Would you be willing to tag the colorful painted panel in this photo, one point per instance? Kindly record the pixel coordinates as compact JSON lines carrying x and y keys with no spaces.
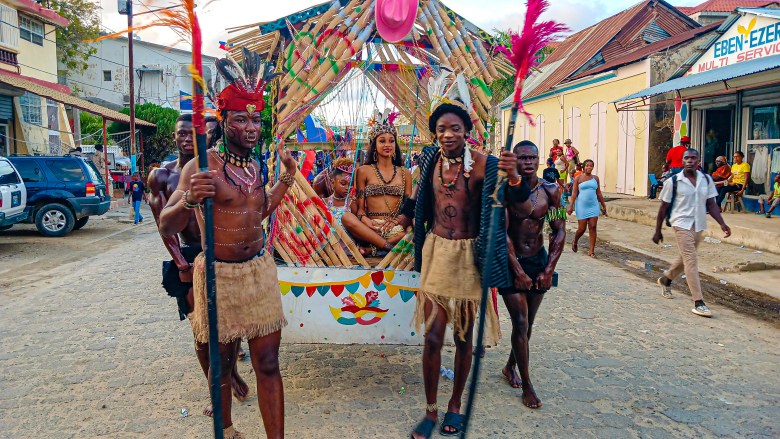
{"x":344,"y":306}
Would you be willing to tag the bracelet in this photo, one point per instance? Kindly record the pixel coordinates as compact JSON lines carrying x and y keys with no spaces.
{"x":287,"y":179}
{"x":189,"y":267}
{"x":187,"y":205}
{"x":519,"y":182}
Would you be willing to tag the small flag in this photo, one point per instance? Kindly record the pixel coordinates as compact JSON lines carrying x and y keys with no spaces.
{"x":224,"y":45}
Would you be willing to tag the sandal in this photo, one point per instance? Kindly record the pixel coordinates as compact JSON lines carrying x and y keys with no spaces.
{"x":425,"y":428}
{"x":453,"y":420}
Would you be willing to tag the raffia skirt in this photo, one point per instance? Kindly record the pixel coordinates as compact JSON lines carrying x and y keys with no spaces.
{"x":449,"y":278}
{"x":249,"y":303}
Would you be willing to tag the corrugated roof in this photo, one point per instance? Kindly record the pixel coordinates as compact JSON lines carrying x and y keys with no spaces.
{"x":650,"y":49}
{"x":764,"y":12}
{"x":709,"y":77}
{"x":687,"y":10}
{"x":34,"y":8}
{"x":54,"y":92}
{"x":726,"y":5}
{"x":614,"y":37}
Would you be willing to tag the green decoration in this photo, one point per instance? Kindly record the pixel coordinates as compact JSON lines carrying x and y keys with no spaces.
{"x":556,"y":214}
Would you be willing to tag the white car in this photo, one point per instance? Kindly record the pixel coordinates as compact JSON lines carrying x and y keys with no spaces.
{"x":13,"y":195}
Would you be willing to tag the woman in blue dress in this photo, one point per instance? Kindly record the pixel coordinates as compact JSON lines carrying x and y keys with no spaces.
{"x":585,"y":199}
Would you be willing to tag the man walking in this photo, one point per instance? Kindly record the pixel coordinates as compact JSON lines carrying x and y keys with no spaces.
{"x":249,"y":303}
{"x":184,"y":246}
{"x":685,"y":202}
{"x":136,"y":193}
{"x":528,"y":259}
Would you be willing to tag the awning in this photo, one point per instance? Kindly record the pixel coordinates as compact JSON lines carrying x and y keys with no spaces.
{"x":712,"y":76}
{"x":55,"y":93}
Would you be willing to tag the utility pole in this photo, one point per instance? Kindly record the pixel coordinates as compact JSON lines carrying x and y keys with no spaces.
{"x":129,"y":7}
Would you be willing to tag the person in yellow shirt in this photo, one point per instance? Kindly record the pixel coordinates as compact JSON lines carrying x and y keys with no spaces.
{"x":772,"y":201}
{"x":740,"y":176}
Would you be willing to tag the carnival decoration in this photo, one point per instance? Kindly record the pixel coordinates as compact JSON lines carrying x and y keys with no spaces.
{"x":525,"y":47}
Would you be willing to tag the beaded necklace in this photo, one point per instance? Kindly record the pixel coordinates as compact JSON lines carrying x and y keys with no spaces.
{"x":441,"y":175}
{"x":252,"y":176}
{"x":381,"y":178}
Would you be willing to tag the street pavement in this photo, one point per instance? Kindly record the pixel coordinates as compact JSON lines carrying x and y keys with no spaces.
{"x":94,"y":348}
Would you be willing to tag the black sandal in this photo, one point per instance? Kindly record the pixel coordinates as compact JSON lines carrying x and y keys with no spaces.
{"x":425,"y":428}
{"x":453,"y":420}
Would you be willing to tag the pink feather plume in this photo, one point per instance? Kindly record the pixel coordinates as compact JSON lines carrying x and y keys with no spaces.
{"x":533,"y":38}
{"x":392,"y":117}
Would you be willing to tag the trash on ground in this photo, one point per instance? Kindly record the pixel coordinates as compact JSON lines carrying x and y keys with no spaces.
{"x":402,"y":390}
{"x":725,"y":401}
{"x":668,"y":245}
{"x":757,"y":252}
{"x":712,"y":240}
{"x":721,"y":345}
{"x":723,"y":282}
{"x":644,"y":331}
{"x":111,"y":338}
{"x":184,"y":412}
{"x":681,"y":277}
{"x":447,"y":373}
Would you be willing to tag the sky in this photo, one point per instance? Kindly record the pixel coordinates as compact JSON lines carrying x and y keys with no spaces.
{"x":217,"y":15}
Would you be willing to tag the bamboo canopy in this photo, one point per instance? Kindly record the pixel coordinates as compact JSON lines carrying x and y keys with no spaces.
{"x":316,"y":48}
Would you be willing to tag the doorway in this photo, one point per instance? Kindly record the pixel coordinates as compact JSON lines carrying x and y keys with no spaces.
{"x":5,"y":149}
{"x":718,"y":137}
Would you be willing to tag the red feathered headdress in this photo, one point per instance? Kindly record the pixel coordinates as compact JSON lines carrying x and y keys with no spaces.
{"x":246,"y":83}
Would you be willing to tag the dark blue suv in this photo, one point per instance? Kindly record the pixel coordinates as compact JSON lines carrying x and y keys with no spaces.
{"x":62,"y":192}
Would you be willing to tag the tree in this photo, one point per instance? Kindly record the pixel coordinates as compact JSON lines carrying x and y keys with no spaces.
{"x":83,"y":24}
{"x":157,"y":143}
{"x":91,"y":128}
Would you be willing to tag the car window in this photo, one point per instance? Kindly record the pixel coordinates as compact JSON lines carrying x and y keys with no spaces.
{"x":7,"y":173}
{"x":66,"y":170}
{"x":94,"y":175}
{"x":30,"y":171}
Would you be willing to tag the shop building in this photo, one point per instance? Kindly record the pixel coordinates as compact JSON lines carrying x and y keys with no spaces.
{"x":727,"y":97}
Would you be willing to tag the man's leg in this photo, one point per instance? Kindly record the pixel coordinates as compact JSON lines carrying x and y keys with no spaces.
{"x":137,"y":210}
{"x":688,"y":240}
{"x":227,"y":355}
{"x":264,"y":353}
{"x":775,"y":202}
{"x":677,"y":266}
{"x":431,"y":361}
{"x":463,"y":356}
{"x":519,"y":313}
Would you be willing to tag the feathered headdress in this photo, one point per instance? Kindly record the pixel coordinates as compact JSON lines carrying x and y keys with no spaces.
{"x":525,"y":46}
{"x":442,"y":89}
{"x":246,"y":83}
{"x":382,"y":123}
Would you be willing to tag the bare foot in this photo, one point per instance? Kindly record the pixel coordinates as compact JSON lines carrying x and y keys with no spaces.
{"x":365,"y":251}
{"x":592,"y":255}
{"x":511,"y":377}
{"x":530,"y":399}
{"x":208,"y":411}
{"x":241,"y":354}
{"x":240,"y":388}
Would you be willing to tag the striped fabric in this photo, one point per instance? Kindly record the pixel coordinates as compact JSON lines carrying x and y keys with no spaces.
{"x":499,"y":275}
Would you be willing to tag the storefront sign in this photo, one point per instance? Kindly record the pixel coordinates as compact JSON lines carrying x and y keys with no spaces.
{"x":749,"y":38}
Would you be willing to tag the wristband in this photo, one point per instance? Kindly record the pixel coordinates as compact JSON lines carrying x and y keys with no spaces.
{"x":519,"y":182}
{"x":287,"y":179}
{"x":187,"y":205}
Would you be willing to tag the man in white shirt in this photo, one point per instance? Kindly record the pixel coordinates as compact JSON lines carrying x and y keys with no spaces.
{"x":690,"y":202}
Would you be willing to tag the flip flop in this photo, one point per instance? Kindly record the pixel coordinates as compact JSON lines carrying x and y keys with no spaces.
{"x":454,"y":420}
{"x":425,"y":428}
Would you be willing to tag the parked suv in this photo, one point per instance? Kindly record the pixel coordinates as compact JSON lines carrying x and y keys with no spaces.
{"x":13,"y":195}
{"x":62,"y":192}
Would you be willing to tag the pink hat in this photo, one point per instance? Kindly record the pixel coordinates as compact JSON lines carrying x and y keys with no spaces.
{"x":395,"y":18}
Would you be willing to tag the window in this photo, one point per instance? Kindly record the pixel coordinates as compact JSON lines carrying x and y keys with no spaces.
{"x":7,"y":173}
{"x":765,"y":123}
{"x":31,"y":30}
{"x":31,"y":108}
{"x":9,"y":32}
{"x":30,"y":171}
{"x":66,"y":170}
{"x":107,"y":75}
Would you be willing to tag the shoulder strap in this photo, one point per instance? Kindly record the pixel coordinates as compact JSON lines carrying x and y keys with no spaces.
{"x":671,"y":202}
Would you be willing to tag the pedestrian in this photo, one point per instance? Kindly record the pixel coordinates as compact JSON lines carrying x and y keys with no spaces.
{"x":100,"y":163}
{"x":685,"y":201}
{"x":185,"y":245}
{"x":550,"y":174}
{"x":531,"y":267}
{"x":586,"y":199}
{"x":136,"y":193}
{"x":556,"y":150}
{"x":248,"y":300}
{"x":772,"y":201}
{"x":674,"y":156}
{"x":447,"y":212}
{"x":572,"y":156}
{"x":740,"y":176}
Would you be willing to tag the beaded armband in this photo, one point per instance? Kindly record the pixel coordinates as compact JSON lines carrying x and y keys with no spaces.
{"x":556,"y":214}
{"x":287,"y":179}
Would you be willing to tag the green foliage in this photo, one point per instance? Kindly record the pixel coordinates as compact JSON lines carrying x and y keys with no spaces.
{"x":164,"y":118}
{"x":83,"y":24}
{"x":91,"y":124}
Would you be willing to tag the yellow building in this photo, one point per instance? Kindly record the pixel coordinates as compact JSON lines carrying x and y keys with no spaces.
{"x":33,"y":117}
{"x":572,"y":93}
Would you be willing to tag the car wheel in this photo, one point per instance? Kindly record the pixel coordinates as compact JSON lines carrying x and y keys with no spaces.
{"x":54,"y":220}
{"x":81,"y":223}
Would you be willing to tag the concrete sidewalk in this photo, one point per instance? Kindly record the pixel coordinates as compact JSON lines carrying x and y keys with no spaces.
{"x":747,"y":229}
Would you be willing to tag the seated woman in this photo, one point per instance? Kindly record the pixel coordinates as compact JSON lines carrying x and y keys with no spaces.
{"x":339,"y":177}
{"x":382,"y":184}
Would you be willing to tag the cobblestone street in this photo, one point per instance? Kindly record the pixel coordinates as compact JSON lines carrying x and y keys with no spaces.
{"x":94,"y":348}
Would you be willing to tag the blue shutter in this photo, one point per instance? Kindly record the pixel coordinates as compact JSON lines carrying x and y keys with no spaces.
{"x":6,"y":107}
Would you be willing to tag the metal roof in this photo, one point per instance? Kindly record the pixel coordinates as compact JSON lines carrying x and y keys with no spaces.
{"x":724,"y":5}
{"x":709,"y":77}
{"x":763,"y":12}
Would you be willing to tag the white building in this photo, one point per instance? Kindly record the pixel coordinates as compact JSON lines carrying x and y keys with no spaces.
{"x":161,"y":75}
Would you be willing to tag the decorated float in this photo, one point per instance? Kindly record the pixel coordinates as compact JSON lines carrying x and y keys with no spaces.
{"x":332,"y":293}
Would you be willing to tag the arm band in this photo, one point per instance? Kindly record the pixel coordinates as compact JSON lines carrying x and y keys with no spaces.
{"x":408,"y":208}
{"x":519,"y":193}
